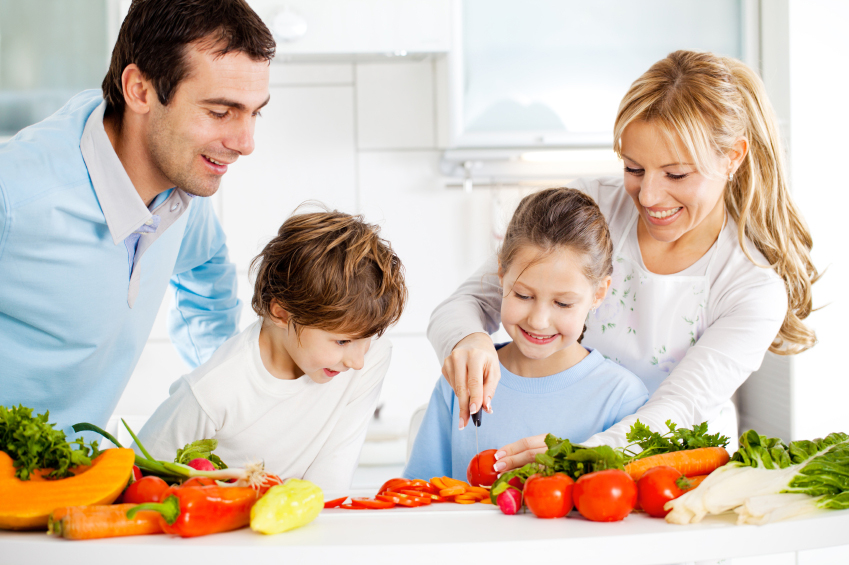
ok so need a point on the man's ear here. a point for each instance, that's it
(601, 291)
(138, 92)
(279, 316)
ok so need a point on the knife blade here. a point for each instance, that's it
(476, 420)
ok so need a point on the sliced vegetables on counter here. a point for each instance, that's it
(767, 481)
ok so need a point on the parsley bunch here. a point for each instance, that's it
(676, 439)
(32, 443)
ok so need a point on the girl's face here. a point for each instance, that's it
(545, 301)
(672, 197)
(322, 355)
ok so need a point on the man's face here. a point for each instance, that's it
(209, 121)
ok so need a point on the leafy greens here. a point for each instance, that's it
(676, 439)
(200, 449)
(33, 443)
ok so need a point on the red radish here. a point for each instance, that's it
(510, 501)
(517, 483)
(201, 464)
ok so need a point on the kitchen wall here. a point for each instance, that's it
(364, 138)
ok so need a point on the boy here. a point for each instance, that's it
(298, 387)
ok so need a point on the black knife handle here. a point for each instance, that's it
(476, 418)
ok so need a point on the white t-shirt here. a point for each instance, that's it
(298, 427)
(746, 308)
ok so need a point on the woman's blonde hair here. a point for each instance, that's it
(709, 102)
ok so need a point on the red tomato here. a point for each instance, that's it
(402, 499)
(605, 496)
(549, 497)
(146, 489)
(199, 482)
(137, 474)
(335, 503)
(480, 472)
(656, 487)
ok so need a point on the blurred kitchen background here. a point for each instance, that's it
(434, 117)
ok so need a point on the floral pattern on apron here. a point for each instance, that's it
(648, 322)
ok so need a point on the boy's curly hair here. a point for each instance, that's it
(331, 271)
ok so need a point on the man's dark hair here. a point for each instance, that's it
(156, 34)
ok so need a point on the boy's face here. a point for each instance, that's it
(322, 355)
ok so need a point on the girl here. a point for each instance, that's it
(554, 268)
(703, 219)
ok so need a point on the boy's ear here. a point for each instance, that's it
(500, 274)
(279, 316)
(601, 291)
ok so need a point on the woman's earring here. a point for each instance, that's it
(730, 176)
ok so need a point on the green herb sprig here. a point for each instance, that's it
(676, 439)
(33, 443)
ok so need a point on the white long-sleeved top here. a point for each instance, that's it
(298, 427)
(746, 308)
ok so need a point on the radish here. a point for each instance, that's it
(509, 501)
(517, 483)
(201, 464)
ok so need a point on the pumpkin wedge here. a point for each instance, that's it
(26, 505)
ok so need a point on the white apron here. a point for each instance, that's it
(648, 321)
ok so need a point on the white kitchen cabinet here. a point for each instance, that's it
(341, 28)
(304, 151)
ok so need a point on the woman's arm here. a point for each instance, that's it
(459, 332)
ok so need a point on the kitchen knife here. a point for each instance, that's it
(476, 420)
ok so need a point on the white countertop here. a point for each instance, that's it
(459, 533)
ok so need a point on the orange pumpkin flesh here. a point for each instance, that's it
(26, 505)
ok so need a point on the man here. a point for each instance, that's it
(102, 206)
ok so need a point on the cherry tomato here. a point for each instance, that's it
(336, 502)
(480, 472)
(146, 489)
(395, 484)
(549, 497)
(656, 487)
(605, 496)
(372, 503)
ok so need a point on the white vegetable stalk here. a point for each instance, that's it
(768, 508)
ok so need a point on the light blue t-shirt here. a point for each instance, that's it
(574, 404)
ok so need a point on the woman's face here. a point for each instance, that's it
(672, 197)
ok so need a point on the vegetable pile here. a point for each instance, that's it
(768, 481)
(46, 482)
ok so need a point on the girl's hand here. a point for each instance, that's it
(519, 453)
(473, 372)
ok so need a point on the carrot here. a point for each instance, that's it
(690, 462)
(451, 491)
(696, 481)
(92, 522)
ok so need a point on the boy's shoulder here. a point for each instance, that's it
(229, 363)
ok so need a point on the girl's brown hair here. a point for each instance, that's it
(558, 218)
(331, 271)
(709, 102)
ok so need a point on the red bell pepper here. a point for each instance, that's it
(201, 510)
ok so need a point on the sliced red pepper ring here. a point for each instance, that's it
(422, 485)
(423, 494)
(400, 500)
(418, 497)
(352, 507)
(395, 484)
(372, 503)
(335, 503)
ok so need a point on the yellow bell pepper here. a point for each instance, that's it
(286, 507)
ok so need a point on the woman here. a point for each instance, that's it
(712, 261)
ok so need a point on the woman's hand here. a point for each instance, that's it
(519, 453)
(473, 372)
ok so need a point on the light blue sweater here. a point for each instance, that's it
(574, 404)
(69, 340)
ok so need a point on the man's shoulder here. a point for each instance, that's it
(46, 155)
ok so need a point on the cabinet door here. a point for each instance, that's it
(304, 151)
